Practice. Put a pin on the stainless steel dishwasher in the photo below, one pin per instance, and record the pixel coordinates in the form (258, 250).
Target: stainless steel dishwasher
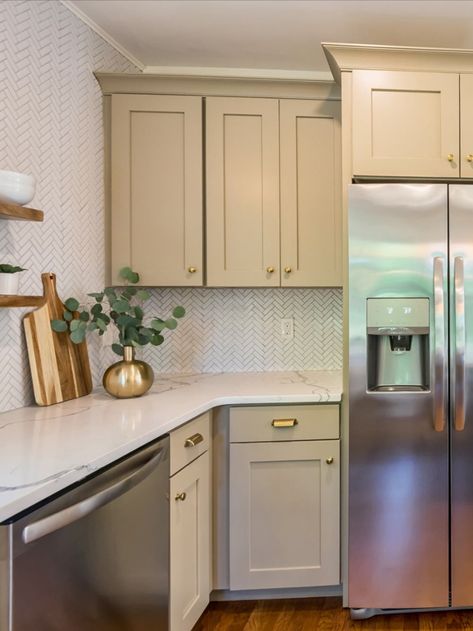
(96, 556)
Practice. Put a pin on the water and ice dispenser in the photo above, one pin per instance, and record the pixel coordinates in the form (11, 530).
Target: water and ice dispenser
(398, 344)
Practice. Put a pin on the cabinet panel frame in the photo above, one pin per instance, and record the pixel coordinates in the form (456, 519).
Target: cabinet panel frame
(120, 175)
(446, 84)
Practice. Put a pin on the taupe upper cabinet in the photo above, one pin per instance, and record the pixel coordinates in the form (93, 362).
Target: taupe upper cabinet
(156, 184)
(242, 166)
(406, 124)
(273, 192)
(311, 189)
(466, 127)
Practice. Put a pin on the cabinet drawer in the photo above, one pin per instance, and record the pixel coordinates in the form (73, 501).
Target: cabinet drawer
(284, 422)
(182, 450)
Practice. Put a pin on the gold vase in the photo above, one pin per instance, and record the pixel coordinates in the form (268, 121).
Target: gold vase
(129, 377)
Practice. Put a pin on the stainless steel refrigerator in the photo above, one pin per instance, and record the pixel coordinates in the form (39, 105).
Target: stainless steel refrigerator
(410, 526)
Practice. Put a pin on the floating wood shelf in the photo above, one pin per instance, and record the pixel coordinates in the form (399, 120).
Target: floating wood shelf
(20, 301)
(21, 213)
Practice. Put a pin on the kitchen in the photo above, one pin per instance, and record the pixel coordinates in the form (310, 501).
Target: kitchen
(213, 199)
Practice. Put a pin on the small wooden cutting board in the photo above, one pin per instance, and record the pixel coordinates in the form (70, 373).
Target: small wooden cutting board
(60, 369)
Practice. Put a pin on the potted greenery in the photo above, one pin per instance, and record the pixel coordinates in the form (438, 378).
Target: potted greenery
(9, 278)
(123, 309)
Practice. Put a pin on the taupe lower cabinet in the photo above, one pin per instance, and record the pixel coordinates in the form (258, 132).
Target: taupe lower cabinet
(412, 124)
(156, 188)
(190, 524)
(284, 497)
(273, 192)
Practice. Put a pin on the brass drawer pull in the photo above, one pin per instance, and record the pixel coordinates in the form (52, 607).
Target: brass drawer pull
(284, 422)
(329, 460)
(194, 440)
(180, 496)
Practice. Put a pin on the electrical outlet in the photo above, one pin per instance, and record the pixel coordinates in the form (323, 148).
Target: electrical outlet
(287, 328)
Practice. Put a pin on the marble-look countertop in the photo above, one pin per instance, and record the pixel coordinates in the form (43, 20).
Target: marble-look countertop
(45, 449)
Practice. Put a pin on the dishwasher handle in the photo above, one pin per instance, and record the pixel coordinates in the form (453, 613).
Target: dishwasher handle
(73, 513)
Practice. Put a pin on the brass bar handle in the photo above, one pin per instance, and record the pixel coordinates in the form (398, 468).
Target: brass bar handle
(194, 440)
(180, 497)
(459, 388)
(439, 386)
(284, 422)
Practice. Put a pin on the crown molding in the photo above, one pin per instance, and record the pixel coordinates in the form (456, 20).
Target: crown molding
(239, 73)
(145, 83)
(347, 57)
(102, 33)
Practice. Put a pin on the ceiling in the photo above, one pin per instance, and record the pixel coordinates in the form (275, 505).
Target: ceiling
(282, 35)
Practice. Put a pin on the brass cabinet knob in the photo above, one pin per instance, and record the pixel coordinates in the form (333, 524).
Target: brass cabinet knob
(270, 270)
(450, 157)
(469, 157)
(288, 270)
(181, 497)
(329, 460)
(192, 270)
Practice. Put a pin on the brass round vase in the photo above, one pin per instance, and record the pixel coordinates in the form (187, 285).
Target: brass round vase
(129, 377)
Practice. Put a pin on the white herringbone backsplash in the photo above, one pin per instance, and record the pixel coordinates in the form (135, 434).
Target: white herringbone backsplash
(240, 330)
(51, 126)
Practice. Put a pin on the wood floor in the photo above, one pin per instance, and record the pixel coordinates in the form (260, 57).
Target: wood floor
(319, 614)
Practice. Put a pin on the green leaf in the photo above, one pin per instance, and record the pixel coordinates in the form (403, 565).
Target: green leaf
(78, 335)
(92, 326)
(72, 304)
(111, 294)
(171, 323)
(5, 268)
(179, 312)
(143, 294)
(147, 332)
(129, 292)
(142, 339)
(157, 339)
(158, 324)
(84, 316)
(101, 325)
(59, 326)
(118, 349)
(120, 306)
(74, 325)
(96, 309)
(139, 313)
(97, 295)
(102, 317)
(67, 315)
(128, 274)
(132, 334)
(125, 320)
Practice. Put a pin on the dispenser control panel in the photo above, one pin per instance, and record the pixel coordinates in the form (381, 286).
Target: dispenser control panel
(403, 313)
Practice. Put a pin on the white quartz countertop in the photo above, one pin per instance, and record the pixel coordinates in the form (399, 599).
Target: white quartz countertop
(45, 449)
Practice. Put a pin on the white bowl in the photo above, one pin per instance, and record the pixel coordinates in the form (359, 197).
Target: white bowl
(16, 188)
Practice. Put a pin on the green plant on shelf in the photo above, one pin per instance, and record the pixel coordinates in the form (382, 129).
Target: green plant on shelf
(5, 268)
(122, 308)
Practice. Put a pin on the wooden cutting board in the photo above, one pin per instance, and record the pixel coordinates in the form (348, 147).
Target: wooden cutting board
(60, 369)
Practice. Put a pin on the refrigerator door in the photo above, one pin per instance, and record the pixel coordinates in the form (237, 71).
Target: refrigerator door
(398, 441)
(461, 362)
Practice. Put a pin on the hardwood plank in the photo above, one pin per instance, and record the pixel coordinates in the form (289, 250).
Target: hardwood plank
(21, 301)
(22, 213)
(321, 614)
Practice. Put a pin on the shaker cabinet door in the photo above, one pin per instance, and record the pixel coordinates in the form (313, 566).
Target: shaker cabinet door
(190, 544)
(156, 188)
(466, 128)
(242, 192)
(284, 514)
(405, 124)
(311, 189)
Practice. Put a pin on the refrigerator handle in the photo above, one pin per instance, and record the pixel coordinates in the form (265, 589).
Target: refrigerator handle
(459, 387)
(440, 373)
(67, 516)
